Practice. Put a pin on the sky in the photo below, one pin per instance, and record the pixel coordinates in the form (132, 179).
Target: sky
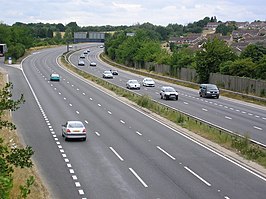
(129, 12)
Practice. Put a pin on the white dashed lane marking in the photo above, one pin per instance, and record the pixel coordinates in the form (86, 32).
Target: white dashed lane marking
(196, 175)
(138, 133)
(229, 118)
(139, 178)
(115, 152)
(258, 128)
(166, 153)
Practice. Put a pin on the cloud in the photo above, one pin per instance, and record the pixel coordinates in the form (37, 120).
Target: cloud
(128, 12)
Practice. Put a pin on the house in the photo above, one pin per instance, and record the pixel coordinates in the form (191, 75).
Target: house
(213, 25)
(257, 25)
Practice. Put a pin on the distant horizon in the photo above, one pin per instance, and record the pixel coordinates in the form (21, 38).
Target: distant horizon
(256, 20)
(129, 12)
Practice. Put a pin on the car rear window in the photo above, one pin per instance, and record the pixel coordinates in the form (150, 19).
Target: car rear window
(75, 125)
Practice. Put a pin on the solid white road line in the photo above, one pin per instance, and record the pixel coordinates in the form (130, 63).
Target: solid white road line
(137, 176)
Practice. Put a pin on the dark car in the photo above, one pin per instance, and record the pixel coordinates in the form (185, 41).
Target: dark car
(209, 90)
(114, 72)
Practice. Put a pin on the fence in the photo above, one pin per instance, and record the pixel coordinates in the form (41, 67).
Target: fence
(233, 83)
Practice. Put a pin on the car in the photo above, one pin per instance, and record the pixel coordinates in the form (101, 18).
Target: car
(148, 82)
(133, 84)
(55, 77)
(92, 64)
(88, 50)
(82, 56)
(108, 74)
(209, 90)
(85, 52)
(168, 92)
(74, 129)
(81, 63)
(101, 46)
(114, 72)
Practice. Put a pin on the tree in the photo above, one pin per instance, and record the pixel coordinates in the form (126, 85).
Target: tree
(260, 70)
(224, 29)
(242, 68)
(253, 51)
(12, 157)
(209, 59)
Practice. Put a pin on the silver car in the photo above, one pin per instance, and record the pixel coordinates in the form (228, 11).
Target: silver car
(168, 92)
(108, 74)
(74, 129)
(133, 84)
(148, 82)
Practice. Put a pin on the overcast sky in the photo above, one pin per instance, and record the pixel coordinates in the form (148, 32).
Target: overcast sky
(122, 12)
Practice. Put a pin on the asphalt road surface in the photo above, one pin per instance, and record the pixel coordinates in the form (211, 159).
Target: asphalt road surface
(128, 154)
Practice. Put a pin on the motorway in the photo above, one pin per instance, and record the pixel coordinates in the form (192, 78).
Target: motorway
(128, 154)
(236, 116)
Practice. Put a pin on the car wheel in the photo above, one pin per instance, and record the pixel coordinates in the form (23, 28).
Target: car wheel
(217, 97)
(83, 139)
(176, 97)
(161, 97)
(66, 139)
(63, 134)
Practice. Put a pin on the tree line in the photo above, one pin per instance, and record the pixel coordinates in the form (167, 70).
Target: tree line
(21, 36)
(215, 56)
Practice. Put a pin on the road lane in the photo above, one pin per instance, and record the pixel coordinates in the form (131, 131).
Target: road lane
(92, 167)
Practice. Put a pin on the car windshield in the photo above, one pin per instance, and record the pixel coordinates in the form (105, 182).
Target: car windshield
(133, 81)
(211, 86)
(169, 89)
(75, 125)
(148, 80)
(107, 72)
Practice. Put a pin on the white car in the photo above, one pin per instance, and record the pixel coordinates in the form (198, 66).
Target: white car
(81, 63)
(148, 82)
(168, 92)
(82, 56)
(133, 84)
(92, 64)
(74, 129)
(108, 74)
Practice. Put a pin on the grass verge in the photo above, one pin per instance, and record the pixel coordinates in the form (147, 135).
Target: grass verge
(241, 146)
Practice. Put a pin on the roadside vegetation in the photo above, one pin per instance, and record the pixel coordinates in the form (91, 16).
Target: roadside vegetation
(145, 46)
(240, 145)
(18, 177)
